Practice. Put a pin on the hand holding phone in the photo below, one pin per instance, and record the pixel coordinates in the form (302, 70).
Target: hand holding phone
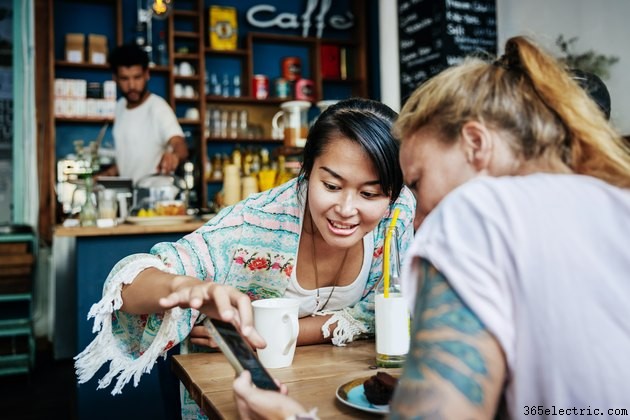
(239, 353)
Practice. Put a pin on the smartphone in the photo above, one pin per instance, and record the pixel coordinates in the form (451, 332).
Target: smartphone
(239, 353)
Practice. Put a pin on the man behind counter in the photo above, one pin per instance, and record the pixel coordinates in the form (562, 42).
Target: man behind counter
(148, 139)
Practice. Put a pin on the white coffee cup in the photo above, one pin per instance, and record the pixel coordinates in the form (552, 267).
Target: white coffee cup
(277, 321)
(185, 69)
(189, 91)
(179, 90)
(192, 114)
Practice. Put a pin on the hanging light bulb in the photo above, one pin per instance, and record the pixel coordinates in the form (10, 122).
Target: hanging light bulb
(161, 9)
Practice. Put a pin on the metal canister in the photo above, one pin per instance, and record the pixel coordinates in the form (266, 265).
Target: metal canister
(260, 86)
(305, 90)
(291, 68)
(282, 88)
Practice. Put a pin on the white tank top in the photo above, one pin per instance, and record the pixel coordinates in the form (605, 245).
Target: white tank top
(342, 296)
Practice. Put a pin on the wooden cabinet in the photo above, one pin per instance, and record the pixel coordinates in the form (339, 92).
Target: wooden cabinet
(186, 33)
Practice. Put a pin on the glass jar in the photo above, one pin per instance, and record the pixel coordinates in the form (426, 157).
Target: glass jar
(390, 312)
(88, 213)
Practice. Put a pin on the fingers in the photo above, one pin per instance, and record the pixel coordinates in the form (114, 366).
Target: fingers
(187, 295)
(168, 163)
(246, 320)
(224, 302)
(223, 296)
(200, 336)
(257, 403)
(243, 384)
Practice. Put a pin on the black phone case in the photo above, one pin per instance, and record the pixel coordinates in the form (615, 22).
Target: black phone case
(239, 353)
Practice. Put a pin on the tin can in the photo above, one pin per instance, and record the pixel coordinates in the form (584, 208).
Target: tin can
(305, 90)
(282, 88)
(291, 68)
(260, 86)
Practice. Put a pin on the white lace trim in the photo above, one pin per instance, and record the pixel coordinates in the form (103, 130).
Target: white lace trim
(104, 347)
(347, 328)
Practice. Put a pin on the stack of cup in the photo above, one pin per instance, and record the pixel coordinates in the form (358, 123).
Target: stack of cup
(231, 185)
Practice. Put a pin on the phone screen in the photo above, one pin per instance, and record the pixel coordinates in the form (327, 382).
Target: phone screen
(244, 354)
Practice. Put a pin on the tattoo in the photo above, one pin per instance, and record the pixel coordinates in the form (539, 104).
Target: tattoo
(445, 358)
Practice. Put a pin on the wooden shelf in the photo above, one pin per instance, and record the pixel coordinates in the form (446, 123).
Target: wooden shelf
(84, 120)
(189, 121)
(189, 35)
(349, 80)
(91, 66)
(185, 56)
(243, 140)
(239, 53)
(281, 39)
(183, 99)
(187, 78)
(186, 13)
(245, 100)
(160, 69)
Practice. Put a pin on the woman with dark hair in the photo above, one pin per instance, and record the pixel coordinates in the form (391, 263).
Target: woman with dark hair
(317, 238)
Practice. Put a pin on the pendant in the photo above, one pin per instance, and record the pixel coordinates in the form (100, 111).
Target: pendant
(316, 304)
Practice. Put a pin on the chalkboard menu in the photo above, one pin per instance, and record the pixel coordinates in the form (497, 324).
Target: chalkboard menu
(435, 34)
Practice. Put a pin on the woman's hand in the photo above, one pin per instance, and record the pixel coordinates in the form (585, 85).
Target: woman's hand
(200, 336)
(254, 403)
(216, 301)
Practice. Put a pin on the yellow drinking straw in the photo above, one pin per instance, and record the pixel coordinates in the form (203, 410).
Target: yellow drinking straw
(386, 252)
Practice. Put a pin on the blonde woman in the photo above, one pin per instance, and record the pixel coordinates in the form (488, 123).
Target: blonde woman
(518, 274)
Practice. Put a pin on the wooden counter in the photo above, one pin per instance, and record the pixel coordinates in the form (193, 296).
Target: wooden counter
(128, 229)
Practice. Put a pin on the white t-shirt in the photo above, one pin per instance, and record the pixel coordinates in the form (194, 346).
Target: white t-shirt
(342, 296)
(544, 261)
(141, 135)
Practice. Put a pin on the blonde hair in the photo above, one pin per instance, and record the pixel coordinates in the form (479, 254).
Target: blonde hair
(531, 98)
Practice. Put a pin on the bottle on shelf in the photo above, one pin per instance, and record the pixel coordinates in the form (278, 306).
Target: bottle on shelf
(162, 50)
(284, 174)
(237, 85)
(237, 158)
(243, 124)
(267, 174)
(225, 86)
(225, 116)
(214, 84)
(217, 167)
(215, 129)
(233, 132)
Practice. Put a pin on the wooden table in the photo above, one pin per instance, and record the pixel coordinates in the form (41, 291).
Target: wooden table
(313, 378)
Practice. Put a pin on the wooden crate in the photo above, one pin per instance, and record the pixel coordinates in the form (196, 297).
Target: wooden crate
(16, 266)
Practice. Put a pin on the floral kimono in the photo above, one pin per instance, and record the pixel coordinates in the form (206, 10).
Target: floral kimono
(251, 246)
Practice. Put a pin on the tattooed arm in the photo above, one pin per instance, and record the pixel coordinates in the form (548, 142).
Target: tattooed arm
(455, 368)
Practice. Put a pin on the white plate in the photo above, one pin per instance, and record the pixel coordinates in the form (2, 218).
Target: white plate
(158, 220)
(352, 394)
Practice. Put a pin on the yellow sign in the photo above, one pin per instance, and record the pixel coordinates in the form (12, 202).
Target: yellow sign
(223, 28)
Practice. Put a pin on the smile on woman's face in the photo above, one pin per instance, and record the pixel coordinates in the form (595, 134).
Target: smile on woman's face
(345, 198)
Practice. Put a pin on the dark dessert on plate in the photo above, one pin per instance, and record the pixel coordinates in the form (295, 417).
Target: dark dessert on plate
(380, 388)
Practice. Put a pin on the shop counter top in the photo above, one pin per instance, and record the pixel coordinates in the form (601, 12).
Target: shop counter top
(128, 229)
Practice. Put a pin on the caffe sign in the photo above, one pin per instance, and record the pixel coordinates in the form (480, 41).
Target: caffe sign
(316, 15)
